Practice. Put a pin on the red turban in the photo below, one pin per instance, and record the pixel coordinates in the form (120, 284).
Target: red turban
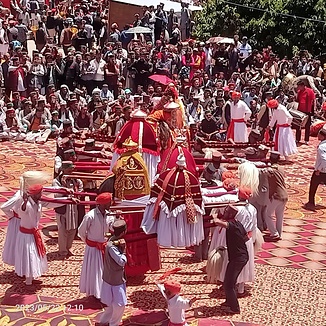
(230, 184)
(104, 198)
(244, 193)
(236, 95)
(172, 287)
(35, 189)
(273, 104)
(227, 175)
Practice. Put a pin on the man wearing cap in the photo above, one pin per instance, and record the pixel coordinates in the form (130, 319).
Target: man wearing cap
(64, 153)
(67, 215)
(65, 113)
(30, 253)
(106, 93)
(208, 102)
(265, 114)
(56, 124)
(38, 126)
(245, 51)
(99, 117)
(113, 292)
(10, 126)
(283, 138)
(319, 175)
(240, 114)
(278, 198)
(195, 111)
(213, 171)
(63, 93)
(307, 101)
(93, 230)
(26, 109)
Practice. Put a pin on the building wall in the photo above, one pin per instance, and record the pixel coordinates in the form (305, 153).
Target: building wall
(122, 13)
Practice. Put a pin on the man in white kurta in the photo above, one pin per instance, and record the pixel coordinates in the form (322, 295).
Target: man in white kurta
(240, 114)
(30, 254)
(8, 253)
(92, 231)
(283, 138)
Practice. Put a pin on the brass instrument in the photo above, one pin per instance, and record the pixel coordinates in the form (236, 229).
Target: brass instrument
(34, 29)
(74, 30)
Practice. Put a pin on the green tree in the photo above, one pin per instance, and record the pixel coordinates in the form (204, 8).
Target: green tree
(267, 27)
(217, 18)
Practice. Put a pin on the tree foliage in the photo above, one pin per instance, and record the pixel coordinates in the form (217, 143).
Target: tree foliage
(285, 34)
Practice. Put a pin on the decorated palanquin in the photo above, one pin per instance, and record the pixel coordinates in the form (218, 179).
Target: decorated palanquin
(175, 208)
(130, 182)
(131, 175)
(142, 133)
(170, 156)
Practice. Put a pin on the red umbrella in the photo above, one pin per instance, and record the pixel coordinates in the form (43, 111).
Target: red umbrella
(162, 79)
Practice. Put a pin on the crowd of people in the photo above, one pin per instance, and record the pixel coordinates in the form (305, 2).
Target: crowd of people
(87, 75)
(92, 74)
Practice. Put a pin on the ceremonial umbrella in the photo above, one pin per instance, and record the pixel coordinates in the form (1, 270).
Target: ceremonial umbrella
(139, 30)
(162, 79)
(221, 39)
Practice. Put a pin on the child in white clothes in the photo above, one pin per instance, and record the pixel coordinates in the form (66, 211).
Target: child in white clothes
(176, 304)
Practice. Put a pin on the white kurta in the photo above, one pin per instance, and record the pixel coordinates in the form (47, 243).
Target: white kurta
(8, 254)
(240, 110)
(176, 307)
(93, 227)
(173, 228)
(247, 215)
(27, 260)
(286, 142)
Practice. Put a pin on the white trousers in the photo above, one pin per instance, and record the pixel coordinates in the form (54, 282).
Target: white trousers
(275, 207)
(112, 315)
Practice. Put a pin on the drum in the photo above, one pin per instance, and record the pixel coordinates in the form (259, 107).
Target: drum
(299, 118)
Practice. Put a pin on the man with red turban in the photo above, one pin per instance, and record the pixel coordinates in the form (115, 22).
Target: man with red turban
(283, 138)
(93, 229)
(240, 114)
(176, 304)
(30, 254)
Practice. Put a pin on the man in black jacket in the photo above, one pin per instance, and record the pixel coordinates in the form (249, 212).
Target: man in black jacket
(236, 238)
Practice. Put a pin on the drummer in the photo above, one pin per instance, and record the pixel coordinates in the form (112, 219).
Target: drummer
(283, 138)
(307, 101)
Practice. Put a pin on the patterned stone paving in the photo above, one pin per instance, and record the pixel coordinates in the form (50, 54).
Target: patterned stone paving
(290, 275)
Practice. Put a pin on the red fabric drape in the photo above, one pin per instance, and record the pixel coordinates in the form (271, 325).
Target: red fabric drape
(98, 245)
(230, 133)
(37, 237)
(277, 134)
